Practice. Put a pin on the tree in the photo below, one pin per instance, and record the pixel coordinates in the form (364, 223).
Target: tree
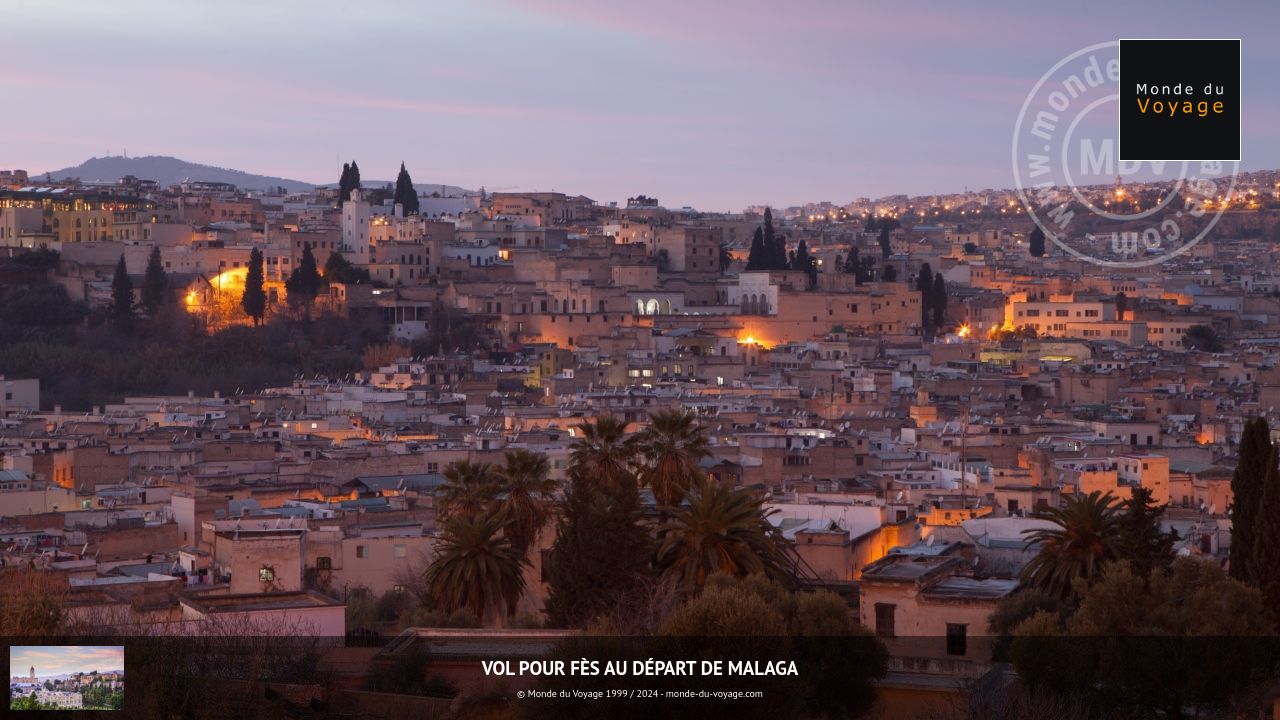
(1140, 540)
(155, 284)
(337, 269)
(1266, 541)
(726, 258)
(406, 196)
(970, 249)
(938, 299)
(1083, 541)
(671, 448)
(1122, 302)
(756, 258)
(349, 181)
(1202, 337)
(602, 455)
(1246, 489)
(469, 488)
(476, 566)
(1035, 242)
(1190, 637)
(721, 529)
(525, 494)
(254, 299)
(924, 285)
(889, 274)
(121, 307)
(602, 555)
(775, 246)
(885, 248)
(304, 282)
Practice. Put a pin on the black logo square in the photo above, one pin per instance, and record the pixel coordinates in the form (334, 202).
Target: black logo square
(1180, 100)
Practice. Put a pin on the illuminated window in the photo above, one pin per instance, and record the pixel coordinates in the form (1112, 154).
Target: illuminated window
(267, 574)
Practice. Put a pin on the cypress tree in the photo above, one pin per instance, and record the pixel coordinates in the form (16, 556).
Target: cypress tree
(304, 282)
(155, 284)
(254, 300)
(756, 259)
(1265, 564)
(344, 183)
(885, 249)
(939, 300)
(924, 285)
(355, 176)
(889, 274)
(121, 307)
(775, 248)
(405, 195)
(1036, 242)
(1246, 488)
(601, 555)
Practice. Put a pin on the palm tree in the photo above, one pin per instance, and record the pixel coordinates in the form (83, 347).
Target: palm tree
(720, 529)
(476, 566)
(469, 488)
(602, 454)
(1083, 541)
(671, 447)
(525, 495)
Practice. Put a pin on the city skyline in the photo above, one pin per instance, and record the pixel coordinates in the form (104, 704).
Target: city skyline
(823, 102)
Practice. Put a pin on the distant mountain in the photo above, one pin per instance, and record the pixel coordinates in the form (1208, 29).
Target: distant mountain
(168, 171)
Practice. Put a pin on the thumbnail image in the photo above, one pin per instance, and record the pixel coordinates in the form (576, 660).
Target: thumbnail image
(66, 677)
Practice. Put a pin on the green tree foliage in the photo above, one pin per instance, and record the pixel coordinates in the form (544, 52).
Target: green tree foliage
(470, 488)
(768, 249)
(1265, 567)
(526, 496)
(304, 283)
(406, 196)
(1203, 338)
(1246, 488)
(924, 285)
(121, 307)
(602, 455)
(1035, 242)
(349, 181)
(254, 299)
(720, 529)
(726, 258)
(938, 300)
(476, 567)
(671, 447)
(890, 273)
(156, 293)
(602, 555)
(1140, 539)
(1083, 541)
(337, 269)
(970, 249)
(886, 249)
(1185, 638)
(756, 257)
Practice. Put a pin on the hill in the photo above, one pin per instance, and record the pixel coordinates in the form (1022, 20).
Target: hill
(168, 171)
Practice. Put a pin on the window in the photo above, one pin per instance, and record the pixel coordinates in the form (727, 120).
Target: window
(360, 551)
(324, 563)
(884, 619)
(957, 639)
(267, 574)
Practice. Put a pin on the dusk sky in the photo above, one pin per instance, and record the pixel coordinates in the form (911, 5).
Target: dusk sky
(712, 104)
(63, 659)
